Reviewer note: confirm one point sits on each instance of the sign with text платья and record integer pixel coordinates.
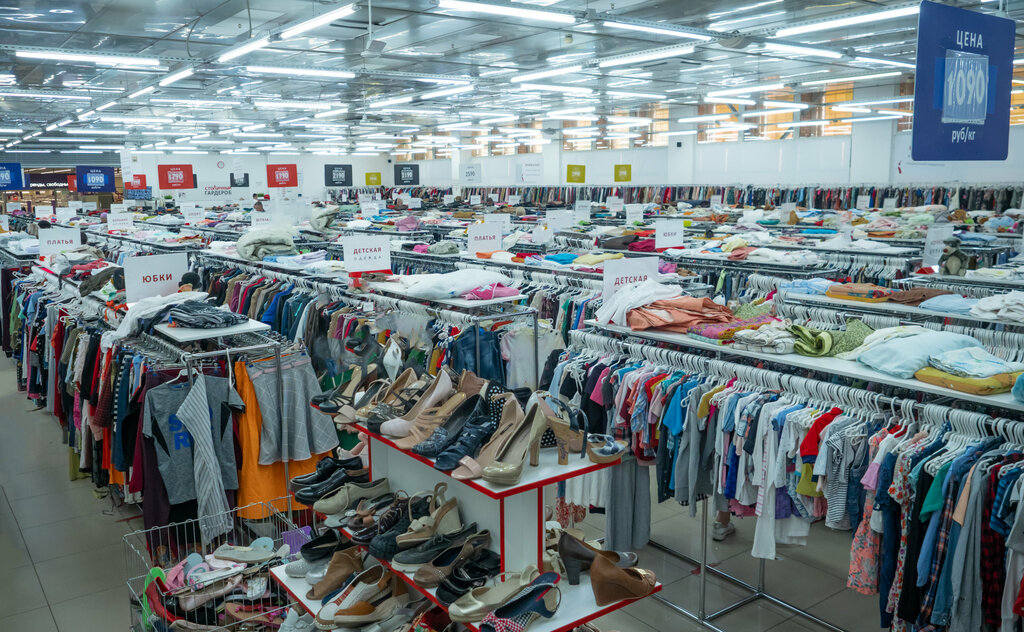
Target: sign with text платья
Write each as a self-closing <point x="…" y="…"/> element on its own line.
<point x="962" y="85"/>
<point x="155" y="275"/>
<point x="669" y="233"/>
<point x="484" y="237"/>
<point x="54" y="240"/>
<point x="366" y="253"/>
<point x="619" y="273"/>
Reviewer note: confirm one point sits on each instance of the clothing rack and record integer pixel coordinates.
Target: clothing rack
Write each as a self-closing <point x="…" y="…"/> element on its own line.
<point x="845" y="396"/>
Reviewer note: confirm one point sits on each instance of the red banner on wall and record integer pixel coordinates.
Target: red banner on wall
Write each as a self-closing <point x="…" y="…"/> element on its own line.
<point x="137" y="182"/>
<point x="175" y="176"/>
<point x="282" y="176"/>
<point x="73" y="184"/>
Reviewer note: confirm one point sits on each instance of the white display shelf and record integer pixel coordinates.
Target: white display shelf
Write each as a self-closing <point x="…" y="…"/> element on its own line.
<point x="548" y="472"/>
<point x="891" y="308"/>
<point x="382" y="287"/>
<point x="835" y="366"/>
<point x="189" y="334"/>
<point x="297" y="587"/>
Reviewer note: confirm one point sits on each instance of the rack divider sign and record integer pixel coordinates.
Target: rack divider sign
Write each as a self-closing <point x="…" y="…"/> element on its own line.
<point x="620" y="273"/>
<point x="559" y="220"/>
<point x="65" y="213"/>
<point x="614" y="204"/>
<point x="120" y="221"/>
<point x="514" y="200"/>
<point x="193" y="214"/>
<point x="43" y="210"/>
<point x="484" y="237"/>
<point x="261" y="220"/>
<point x="365" y="253"/>
<point x="962" y="84"/>
<point x="54" y="240"/>
<point x="863" y="202"/>
<point x="503" y="219"/>
<point x="581" y="211"/>
<point x="448" y="199"/>
<point x="634" y="213"/>
<point x="155" y="275"/>
<point x="889" y="204"/>
<point x="474" y="200"/>
<point x="933" y="243"/>
<point x="669" y="233"/>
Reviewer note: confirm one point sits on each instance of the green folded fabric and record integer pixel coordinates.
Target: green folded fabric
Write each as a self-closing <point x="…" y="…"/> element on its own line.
<point x="811" y="342"/>
<point x="850" y="338"/>
<point x="750" y="310"/>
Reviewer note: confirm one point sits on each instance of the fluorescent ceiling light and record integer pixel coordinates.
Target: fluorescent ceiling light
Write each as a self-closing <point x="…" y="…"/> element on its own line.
<point x="768" y="112"/>
<point x="64" y="122"/>
<point x="558" y="113"/>
<point x="104" y="60"/>
<point x="258" y="134"/>
<point x="768" y="87"/>
<point x="749" y="7"/>
<point x="553" y="88"/>
<point x="802" y="50"/>
<point x="447" y="92"/>
<point x="863" y="18"/>
<point x="865" y="119"/>
<point x="103" y="147"/>
<point x="896" y="112"/>
<point x="194" y="152"/>
<point x="293" y="105"/>
<point x="877" y="75"/>
<point x="11" y="130"/>
<point x="191" y="102"/>
<point x="178" y="76"/>
<point x="98" y="132"/>
<point x="685" y="132"/>
<point x="82" y="151"/>
<point x="139" y="93"/>
<point x="213" y="142"/>
<point x="888" y="62"/>
<point x="804" y="123"/>
<point x="882" y="101"/>
<point x="148" y="152"/>
<point x="730" y="101"/>
<point x="320" y="20"/>
<point x="392" y="101"/>
<point x="633" y="120"/>
<point x="720" y="26"/>
<point x="657" y="31"/>
<point x="50" y="139"/>
<point x="330" y="113"/>
<point x="135" y="119"/>
<point x="636" y="95"/>
<point x="785" y="104"/>
<point x="108" y="104"/>
<point x="706" y="118"/>
<point x="642" y="57"/>
<point x="851" y="108"/>
<point x="543" y="74"/>
<point x="50" y="128"/>
<point x="494" y="9"/>
<point x="500" y="71"/>
<point x="300" y="72"/>
<point x="38" y="151"/>
<point x="244" y="49"/>
<point x="44" y="95"/>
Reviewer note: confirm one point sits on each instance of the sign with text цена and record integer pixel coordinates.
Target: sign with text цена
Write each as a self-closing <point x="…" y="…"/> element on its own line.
<point x="155" y="275"/>
<point x="621" y="273"/>
<point x="367" y="253"/>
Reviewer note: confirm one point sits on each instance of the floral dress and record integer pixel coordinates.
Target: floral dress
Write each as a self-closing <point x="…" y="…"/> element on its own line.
<point x="864" y="552"/>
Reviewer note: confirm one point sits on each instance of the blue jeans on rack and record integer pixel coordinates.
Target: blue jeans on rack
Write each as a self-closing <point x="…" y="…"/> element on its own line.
<point x="492" y="367"/>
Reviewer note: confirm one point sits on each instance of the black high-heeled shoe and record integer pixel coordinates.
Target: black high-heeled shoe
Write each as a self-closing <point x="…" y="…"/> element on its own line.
<point x="469" y="411"/>
<point x="473" y="436"/>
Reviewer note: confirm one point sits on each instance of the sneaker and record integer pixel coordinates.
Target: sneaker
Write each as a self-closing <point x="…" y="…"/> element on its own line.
<point x="295" y="622"/>
<point x="301" y="568"/>
<point x="721" y="531"/>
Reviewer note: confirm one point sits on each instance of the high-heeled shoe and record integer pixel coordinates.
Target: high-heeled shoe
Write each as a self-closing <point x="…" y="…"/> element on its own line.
<point x="578" y="556"/>
<point x="367" y="375"/>
<point x="343" y="395"/>
<point x="443" y="519"/>
<point x="438" y="392"/>
<point x="396" y="386"/>
<point x="611" y="583"/>
<point x="603" y="448"/>
<point x="447" y="433"/>
<point x="508" y="467"/>
<point x="569" y="426"/>
<point x="403" y="394"/>
<point x="372" y="395"/>
<point x="475" y="604"/>
<point x="430" y="420"/>
<point x="511" y="418"/>
<point x="539" y="599"/>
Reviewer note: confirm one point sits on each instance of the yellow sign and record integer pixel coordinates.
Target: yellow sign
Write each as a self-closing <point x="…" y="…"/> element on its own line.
<point x="576" y="173"/>
<point x="623" y="173"/>
<point x="373" y="179"/>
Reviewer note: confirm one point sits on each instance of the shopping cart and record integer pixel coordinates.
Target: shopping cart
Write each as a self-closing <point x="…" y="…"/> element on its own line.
<point x="163" y="547"/>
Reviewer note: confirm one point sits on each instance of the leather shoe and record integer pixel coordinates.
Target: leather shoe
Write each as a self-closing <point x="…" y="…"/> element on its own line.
<point x="324" y="469"/>
<point x="311" y="494"/>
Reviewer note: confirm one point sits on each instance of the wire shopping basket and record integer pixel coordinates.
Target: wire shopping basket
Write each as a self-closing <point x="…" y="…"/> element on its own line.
<point x="247" y="600"/>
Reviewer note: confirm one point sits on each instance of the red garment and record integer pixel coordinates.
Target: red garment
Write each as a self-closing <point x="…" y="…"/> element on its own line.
<point x="642" y="245"/>
<point x="812" y="442"/>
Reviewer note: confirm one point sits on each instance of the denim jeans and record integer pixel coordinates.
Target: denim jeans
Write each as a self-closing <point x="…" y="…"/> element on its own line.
<point x="492" y="366"/>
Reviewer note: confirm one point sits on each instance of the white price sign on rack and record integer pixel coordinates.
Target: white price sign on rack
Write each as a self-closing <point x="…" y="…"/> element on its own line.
<point x="786" y="207"/>
<point x="634" y="213"/>
<point x="65" y="213"/>
<point x="54" y="240"/>
<point x="669" y="233"/>
<point x="513" y="200"/>
<point x="118" y="208"/>
<point x="504" y="219"/>
<point x="88" y="206"/>
<point x="484" y="237"/>
<point x="474" y="199"/>
<point x="156" y="275"/>
<point x="261" y="220"/>
<point x="559" y="220"/>
<point x="542" y="234"/>
<point x="863" y="202"/>
<point x="75" y="205"/>
<point x="614" y="204"/>
<point x="889" y="204"/>
<point x="493" y="197"/>
<point x="193" y="215"/>
<point x="620" y="273"/>
<point x="448" y="199"/>
<point x="414" y="202"/>
<point x="581" y="211"/>
<point x="120" y="221"/>
<point x="43" y="210"/>
<point x="13" y="206"/>
<point x="933" y="243"/>
<point x="367" y="252"/>
<point x="5" y="222"/>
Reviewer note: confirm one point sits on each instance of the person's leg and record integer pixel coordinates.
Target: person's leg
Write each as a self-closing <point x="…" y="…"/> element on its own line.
<point x="722" y="527"/>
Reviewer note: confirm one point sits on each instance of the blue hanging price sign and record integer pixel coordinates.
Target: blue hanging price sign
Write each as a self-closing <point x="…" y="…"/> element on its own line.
<point x="962" y="87"/>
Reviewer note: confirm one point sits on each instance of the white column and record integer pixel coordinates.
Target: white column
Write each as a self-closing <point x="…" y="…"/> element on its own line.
<point x="871" y="144"/>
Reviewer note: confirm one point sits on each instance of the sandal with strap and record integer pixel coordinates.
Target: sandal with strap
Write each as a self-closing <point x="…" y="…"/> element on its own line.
<point x="443" y="519"/>
<point x="387" y="397"/>
<point x="400" y="402"/>
<point x="539" y="599"/>
<point x="341" y="397"/>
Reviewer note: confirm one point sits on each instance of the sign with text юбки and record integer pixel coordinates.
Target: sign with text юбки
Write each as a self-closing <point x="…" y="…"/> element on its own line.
<point x="155" y="275"/>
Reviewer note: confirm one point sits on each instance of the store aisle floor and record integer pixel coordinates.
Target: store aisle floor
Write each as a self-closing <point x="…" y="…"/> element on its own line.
<point x="61" y="553"/>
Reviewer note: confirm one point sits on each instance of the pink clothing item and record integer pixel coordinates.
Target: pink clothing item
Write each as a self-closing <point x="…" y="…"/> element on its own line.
<point x="487" y="292"/>
<point x="407" y="223"/>
<point x="421" y="248"/>
<point x="598" y="395"/>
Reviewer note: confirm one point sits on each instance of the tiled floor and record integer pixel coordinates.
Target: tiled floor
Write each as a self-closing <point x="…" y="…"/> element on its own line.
<point x="62" y="562"/>
<point x="61" y="552"/>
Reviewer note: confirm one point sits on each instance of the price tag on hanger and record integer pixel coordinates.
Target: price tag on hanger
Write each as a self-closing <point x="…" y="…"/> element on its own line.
<point x="484" y="237"/>
<point x="559" y="220"/>
<point x="65" y="213"/>
<point x="514" y="200"/>
<point x="581" y="211"/>
<point x="503" y="219"/>
<point x="933" y="243"/>
<point x="155" y="275"/>
<point x="54" y="240"/>
<point x="889" y="204"/>
<point x="669" y="233"/>
<point x="614" y="204"/>
<point x="120" y="221"/>
<point x="634" y="213"/>
<point x="448" y="199"/>
<point x="475" y="199"/>
<point x="621" y="273"/>
<point x="365" y="253"/>
<point x="542" y="234"/>
<point x="43" y="210"/>
<point x="863" y="202"/>
<point x="193" y="215"/>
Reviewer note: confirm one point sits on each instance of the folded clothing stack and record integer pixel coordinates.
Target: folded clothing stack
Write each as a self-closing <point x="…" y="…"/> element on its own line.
<point x="721" y="333"/>
<point x="866" y="292"/>
<point x="769" y="338"/>
<point x="259" y="243"/>
<point x="1009" y="306"/>
<point x="199" y="315"/>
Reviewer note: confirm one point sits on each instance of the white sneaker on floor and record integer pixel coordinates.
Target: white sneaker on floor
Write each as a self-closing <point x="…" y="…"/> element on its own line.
<point x="721" y="531"/>
<point x="297" y="623"/>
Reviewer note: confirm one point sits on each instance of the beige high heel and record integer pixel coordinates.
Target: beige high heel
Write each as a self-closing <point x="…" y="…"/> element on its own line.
<point x="508" y="468"/>
<point x="429" y="420"/>
<point x="511" y="419"/>
<point x="443" y="519"/>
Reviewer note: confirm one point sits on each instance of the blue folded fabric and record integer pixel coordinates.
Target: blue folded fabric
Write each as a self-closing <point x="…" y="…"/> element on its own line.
<point x="949" y="303"/>
<point x="807" y="286"/>
<point x="1018" y="389"/>
<point x="562" y="257"/>
<point x="976" y="237"/>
